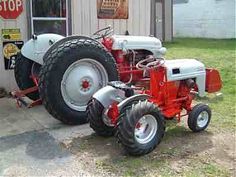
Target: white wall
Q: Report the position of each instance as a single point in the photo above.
(85, 22)
(7, 79)
(205, 18)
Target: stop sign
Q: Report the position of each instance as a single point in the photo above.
(11, 9)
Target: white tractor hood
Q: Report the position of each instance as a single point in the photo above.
(126, 42)
(181, 69)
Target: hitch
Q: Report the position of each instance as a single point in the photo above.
(18, 96)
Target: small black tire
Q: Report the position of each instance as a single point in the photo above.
(193, 118)
(127, 123)
(22, 72)
(95, 112)
(56, 64)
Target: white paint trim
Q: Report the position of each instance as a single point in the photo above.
(31, 19)
(49, 18)
(67, 18)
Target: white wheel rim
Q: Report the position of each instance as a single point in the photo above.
(80, 81)
(145, 129)
(202, 119)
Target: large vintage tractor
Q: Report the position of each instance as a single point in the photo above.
(162, 90)
(64, 72)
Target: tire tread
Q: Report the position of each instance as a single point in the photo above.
(126, 125)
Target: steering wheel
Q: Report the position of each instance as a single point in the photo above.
(102, 33)
(150, 63)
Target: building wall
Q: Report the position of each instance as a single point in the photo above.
(204, 18)
(7, 79)
(138, 22)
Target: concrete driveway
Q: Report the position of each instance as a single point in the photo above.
(31, 143)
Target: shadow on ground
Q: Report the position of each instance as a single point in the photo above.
(39, 145)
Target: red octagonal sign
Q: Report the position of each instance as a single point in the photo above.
(11, 9)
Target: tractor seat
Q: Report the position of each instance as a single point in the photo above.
(122, 86)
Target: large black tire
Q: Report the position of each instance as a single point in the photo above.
(55, 45)
(128, 121)
(22, 73)
(95, 112)
(56, 65)
(193, 118)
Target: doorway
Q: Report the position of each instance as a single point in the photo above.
(157, 19)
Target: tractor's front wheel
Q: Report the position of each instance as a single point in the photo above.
(199, 118)
(72, 73)
(140, 128)
(95, 111)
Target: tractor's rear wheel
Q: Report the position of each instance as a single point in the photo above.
(95, 112)
(141, 128)
(72, 73)
(24, 69)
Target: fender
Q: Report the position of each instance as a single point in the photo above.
(107, 95)
(35, 48)
(131, 99)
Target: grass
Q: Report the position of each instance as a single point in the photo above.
(192, 167)
(219, 54)
(208, 169)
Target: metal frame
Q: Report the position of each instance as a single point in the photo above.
(67, 18)
(19, 95)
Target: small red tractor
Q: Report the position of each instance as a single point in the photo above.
(163, 90)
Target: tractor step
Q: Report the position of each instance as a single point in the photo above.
(20, 94)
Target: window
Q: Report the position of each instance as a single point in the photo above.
(50, 16)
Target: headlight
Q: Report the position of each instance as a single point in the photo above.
(162, 51)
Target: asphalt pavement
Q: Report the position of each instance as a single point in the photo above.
(32, 143)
